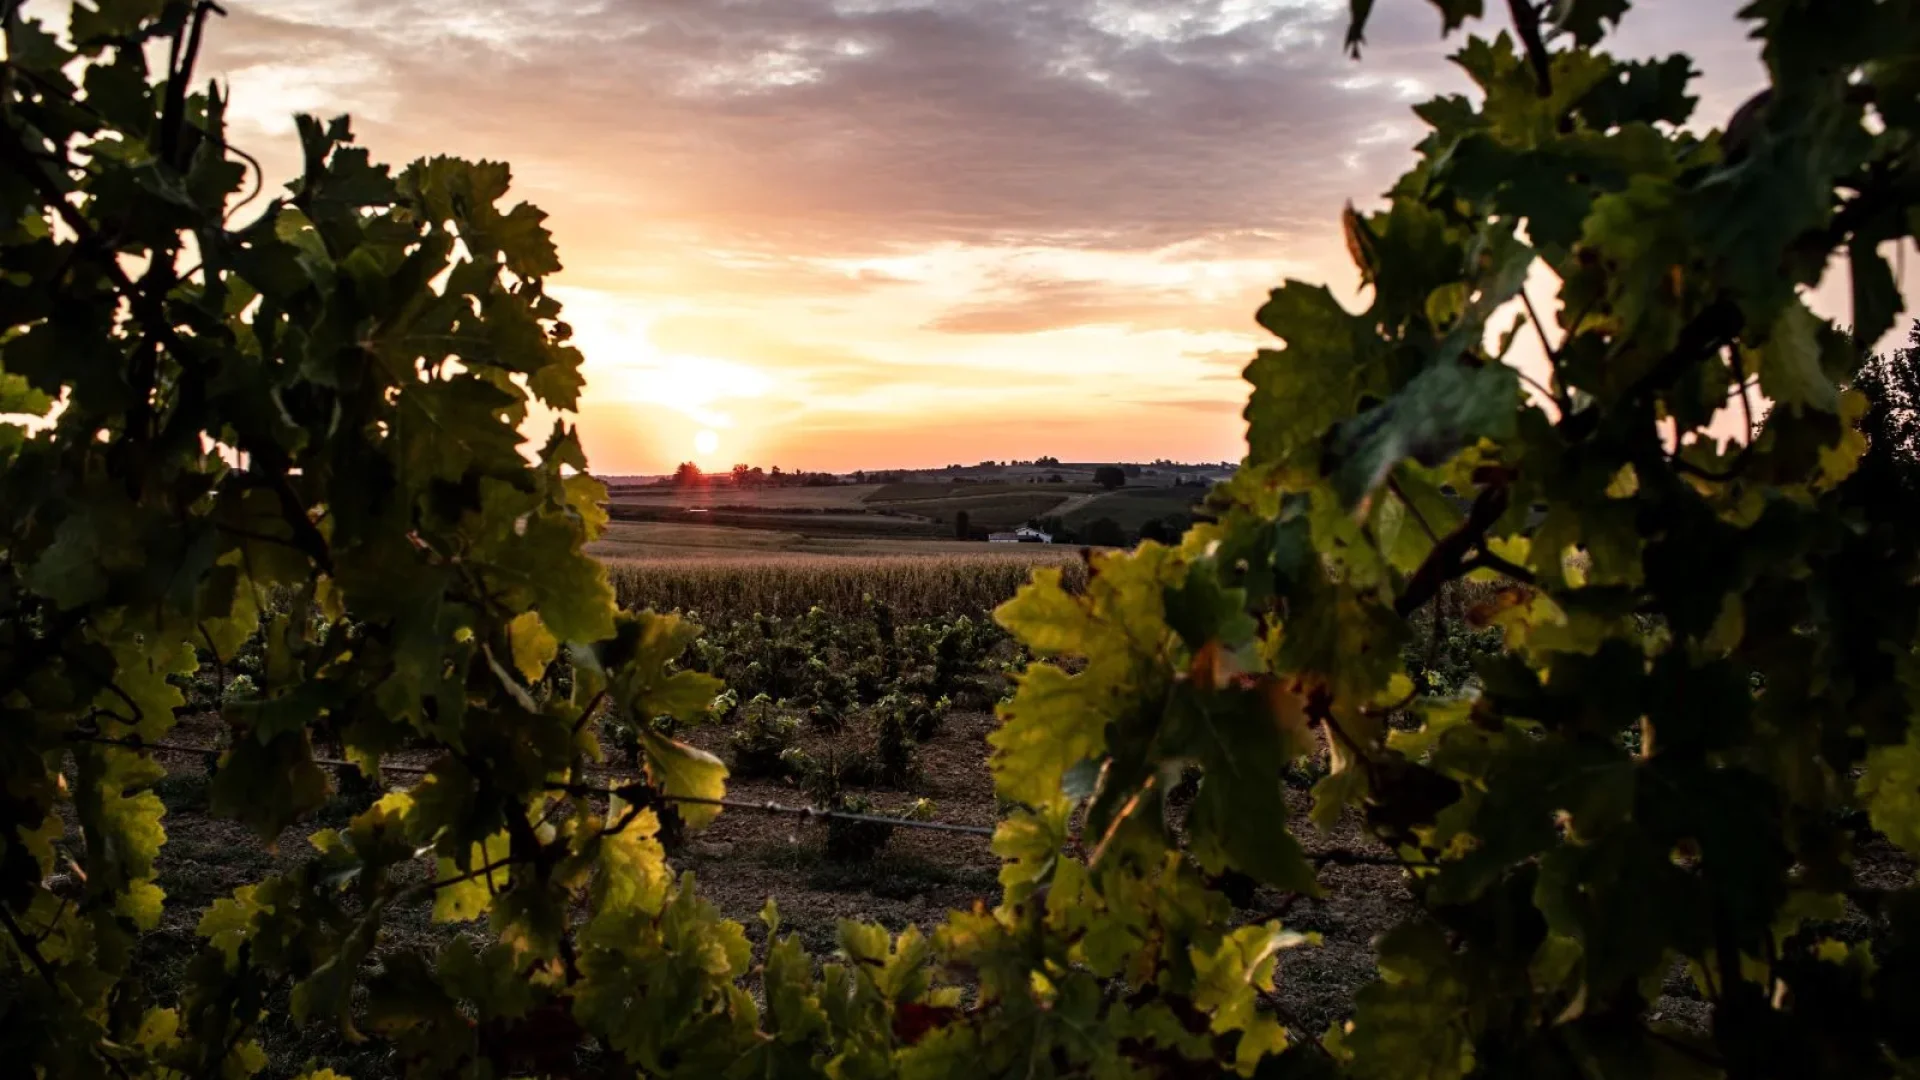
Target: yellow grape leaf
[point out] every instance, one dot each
(681, 770)
(588, 497)
(1891, 789)
(1837, 462)
(534, 646)
(633, 873)
(1046, 616)
(229, 922)
(469, 898)
(142, 903)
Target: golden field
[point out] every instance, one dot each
(741, 572)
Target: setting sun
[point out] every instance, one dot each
(706, 442)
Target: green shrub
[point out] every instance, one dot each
(763, 745)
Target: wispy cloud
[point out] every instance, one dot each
(859, 232)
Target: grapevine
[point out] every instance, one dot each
(292, 427)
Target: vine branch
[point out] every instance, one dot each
(1448, 558)
(1526, 23)
(27, 947)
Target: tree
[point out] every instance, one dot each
(1698, 725)
(1891, 385)
(1056, 528)
(961, 523)
(688, 475)
(1103, 532)
(1110, 477)
(1166, 530)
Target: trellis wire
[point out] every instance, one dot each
(764, 807)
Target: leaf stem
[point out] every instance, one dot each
(1487, 560)
(1448, 557)
(28, 947)
(1526, 23)
(1558, 394)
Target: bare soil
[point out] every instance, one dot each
(745, 857)
(739, 861)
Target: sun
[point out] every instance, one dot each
(706, 442)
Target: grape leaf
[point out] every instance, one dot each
(1789, 362)
(681, 770)
(533, 646)
(1433, 416)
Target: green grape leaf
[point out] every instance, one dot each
(1029, 846)
(486, 975)
(268, 785)
(1876, 296)
(1358, 12)
(18, 397)
(794, 1011)
(1789, 362)
(525, 243)
(1227, 985)
(69, 572)
(1440, 411)
(1586, 20)
(328, 991)
(1330, 361)
(1241, 739)
(1054, 722)
(1416, 1019)
(1455, 13)
(106, 19)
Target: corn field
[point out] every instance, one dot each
(914, 586)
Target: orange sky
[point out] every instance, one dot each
(840, 234)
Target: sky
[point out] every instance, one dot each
(841, 234)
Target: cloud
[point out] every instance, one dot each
(823, 125)
(1036, 305)
(917, 219)
(1212, 406)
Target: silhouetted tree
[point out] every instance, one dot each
(688, 475)
(1055, 528)
(1110, 477)
(1104, 532)
(960, 524)
(1891, 383)
(1166, 530)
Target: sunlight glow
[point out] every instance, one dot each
(706, 442)
(624, 365)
